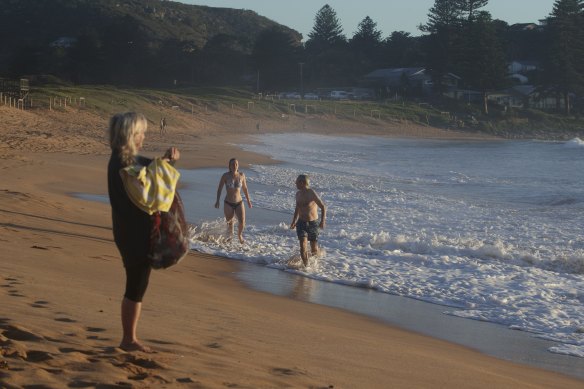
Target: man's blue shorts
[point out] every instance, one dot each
(307, 230)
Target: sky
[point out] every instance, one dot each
(390, 15)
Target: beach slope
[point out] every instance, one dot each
(61, 282)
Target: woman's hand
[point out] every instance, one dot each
(172, 154)
(217, 204)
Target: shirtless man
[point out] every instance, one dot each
(305, 218)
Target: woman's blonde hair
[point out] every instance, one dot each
(122, 129)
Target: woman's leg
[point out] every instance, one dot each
(240, 212)
(228, 212)
(130, 316)
(137, 278)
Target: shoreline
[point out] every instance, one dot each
(62, 280)
(490, 338)
(409, 314)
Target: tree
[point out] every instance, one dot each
(483, 60)
(366, 46)
(329, 60)
(327, 30)
(563, 70)
(470, 8)
(443, 26)
(444, 14)
(276, 55)
(222, 61)
(401, 50)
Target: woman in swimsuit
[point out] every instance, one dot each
(234, 181)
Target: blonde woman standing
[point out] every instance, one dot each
(234, 181)
(131, 226)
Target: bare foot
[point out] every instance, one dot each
(136, 346)
(241, 239)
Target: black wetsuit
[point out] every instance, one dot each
(131, 228)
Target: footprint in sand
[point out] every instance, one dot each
(19, 333)
(38, 356)
(95, 329)
(284, 371)
(67, 350)
(15, 293)
(39, 304)
(65, 320)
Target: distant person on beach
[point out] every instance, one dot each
(162, 126)
(234, 181)
(305, 218)
(131, 225)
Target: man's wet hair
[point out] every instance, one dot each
(304, 178)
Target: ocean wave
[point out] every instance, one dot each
(574, 143)
(442, 246)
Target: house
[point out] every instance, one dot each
(416, 79)
(522, 67)
(525, 27)
(525, 96)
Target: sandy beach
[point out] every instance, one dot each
(61, 283)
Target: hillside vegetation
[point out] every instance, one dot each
(127, 42)
(213, 108)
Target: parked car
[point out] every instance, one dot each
(289, 95)
(339, 95)
(363, 96)
(311, 96)
(293, 95)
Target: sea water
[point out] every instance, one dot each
(490, 229)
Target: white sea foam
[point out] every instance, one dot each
(492, 230)
(576, 142)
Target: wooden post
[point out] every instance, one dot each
(50, 104)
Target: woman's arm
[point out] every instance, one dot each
(244, 187)
(171, 155)
(219, 189)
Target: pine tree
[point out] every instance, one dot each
(327, 30)
(330, 62)
(483, 65)
(275, 55)
(470, 8)
(443, 26)
(366, 45)
(565, 57)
